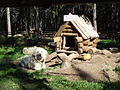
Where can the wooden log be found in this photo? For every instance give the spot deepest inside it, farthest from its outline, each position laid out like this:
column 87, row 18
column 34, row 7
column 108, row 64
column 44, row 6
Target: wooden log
column 92, row 50
column 79, row 39
column 57, row 48
column 94, row 45
column 90, row 43
column 80, row 50
column 57, row 44
column 85, row 48
column 96, row 40
column 86, row 42
column 80, row 45
column 64, row 42
column 57, row 39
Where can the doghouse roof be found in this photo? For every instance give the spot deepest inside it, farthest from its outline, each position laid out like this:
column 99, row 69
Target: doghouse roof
column 82, row 25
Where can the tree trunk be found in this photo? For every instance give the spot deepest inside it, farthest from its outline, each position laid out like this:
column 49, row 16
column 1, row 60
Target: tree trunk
column 94, row 17
column 8, row 22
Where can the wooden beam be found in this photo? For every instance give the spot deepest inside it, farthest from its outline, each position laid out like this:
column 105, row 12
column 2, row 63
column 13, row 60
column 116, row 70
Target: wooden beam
column 69, row 34
column 64, row 51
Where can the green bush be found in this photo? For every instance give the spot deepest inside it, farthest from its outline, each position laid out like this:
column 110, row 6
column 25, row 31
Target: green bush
column 108, row 43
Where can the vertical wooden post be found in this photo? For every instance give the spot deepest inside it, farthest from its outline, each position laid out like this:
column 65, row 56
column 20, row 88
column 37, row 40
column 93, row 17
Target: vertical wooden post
column 94, row 17
column 64, row 41
column 8, row 22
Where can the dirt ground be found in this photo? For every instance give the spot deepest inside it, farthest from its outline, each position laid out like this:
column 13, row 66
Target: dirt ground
column 99, row 68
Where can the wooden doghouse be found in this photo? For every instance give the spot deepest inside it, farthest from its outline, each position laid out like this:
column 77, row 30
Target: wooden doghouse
column 77, row 34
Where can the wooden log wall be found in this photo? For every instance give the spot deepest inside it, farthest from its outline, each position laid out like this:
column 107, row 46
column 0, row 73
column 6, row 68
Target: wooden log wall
column 88, row 46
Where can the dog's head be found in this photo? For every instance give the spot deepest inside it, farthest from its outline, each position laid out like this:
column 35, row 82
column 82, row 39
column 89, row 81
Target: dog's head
column 38, row 56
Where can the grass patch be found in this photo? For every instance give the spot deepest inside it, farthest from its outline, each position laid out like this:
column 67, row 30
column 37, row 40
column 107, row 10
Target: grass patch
column 117, row 69
column 10, row 53
column 108, row 43
column 13, row 78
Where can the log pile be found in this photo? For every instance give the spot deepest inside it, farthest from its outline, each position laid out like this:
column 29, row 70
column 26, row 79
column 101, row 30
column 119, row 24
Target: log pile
column 88, row 45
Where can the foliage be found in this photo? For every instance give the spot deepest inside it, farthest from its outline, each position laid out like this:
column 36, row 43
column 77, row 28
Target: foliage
column 117, row 69
column 108, row 43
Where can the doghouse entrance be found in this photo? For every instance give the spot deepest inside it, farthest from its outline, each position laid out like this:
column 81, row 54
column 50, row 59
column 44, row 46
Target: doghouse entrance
column 69, row 43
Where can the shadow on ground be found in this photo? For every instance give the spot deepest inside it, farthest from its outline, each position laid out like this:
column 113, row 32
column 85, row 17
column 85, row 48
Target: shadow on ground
column 23, row 80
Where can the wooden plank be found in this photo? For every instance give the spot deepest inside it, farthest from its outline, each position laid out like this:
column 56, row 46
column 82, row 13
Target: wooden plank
column 69, row 27
column 64, row 42
column 58, row 44
column 69, row 34
column 64, row 51
column 82, row 26
column 81, row 32
column 68, row 30
column 61, row 43
column 87, row 28
column 91, row 27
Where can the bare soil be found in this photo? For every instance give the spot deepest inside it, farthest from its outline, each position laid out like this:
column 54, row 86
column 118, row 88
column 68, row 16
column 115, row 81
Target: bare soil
column 99, row 68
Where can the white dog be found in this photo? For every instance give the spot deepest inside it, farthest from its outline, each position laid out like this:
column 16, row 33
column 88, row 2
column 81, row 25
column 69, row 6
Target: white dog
column 36, row 60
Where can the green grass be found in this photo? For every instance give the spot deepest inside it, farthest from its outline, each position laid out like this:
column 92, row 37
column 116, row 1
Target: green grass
column 117, row 69
column 108, row 43
column 10, row 53
column 13, row 78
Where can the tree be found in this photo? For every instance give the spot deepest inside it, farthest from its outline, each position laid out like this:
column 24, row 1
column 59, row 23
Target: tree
column 94, row 17
column 8, row 22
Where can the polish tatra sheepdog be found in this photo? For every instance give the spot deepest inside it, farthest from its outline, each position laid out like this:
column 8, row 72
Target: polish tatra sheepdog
column 34, row 59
